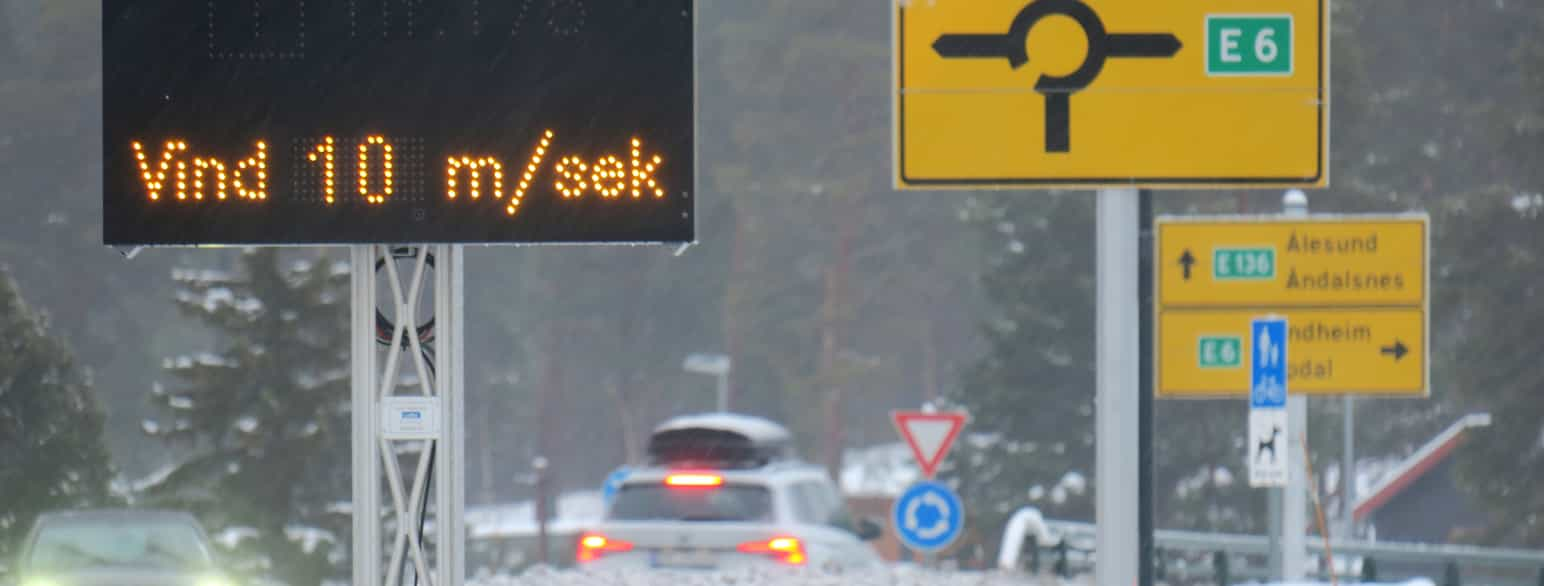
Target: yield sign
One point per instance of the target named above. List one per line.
(929, 434)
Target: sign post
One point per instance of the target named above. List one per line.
(1354, 289)
(928, 516)
(208, 142)
(987, 93)
(1116, 420)
(930, 435)
(1116, 93)
(1269, 452)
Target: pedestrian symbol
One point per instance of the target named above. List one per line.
(1268, 377)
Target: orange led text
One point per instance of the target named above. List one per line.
(178, 173)
(197, 178)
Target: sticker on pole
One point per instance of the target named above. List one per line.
(928, 516)
(930, 435)
(410, 418)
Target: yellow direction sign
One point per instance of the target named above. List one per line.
(1270, 262)
(1354, 290)
(1329, 351)
(1113, 92)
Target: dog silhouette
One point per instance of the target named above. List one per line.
(1268, 444)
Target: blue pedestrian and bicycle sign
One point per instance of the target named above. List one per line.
(1268, 440)
(928, 516)
(1268, 371)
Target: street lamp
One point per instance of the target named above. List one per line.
(544, 512)
(716, 365)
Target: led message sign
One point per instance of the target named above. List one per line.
(361, 121)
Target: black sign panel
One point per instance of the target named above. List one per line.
(386, 121)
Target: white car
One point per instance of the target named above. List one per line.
(723, 492)
(119, 548)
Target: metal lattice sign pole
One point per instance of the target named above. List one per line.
(408, 397)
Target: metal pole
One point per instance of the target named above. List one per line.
(450, 385)
(366, 463)
(1273, 531)
(1116, 417)
(542, 510)
(374, 456)
(1145, 556)
(1294, 501)
(723, 391)
(1348, 470)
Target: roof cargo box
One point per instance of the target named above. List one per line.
(719, 440)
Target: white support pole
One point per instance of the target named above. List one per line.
(366, 504)
(1294, 525)
(1116, 417)
(377, 452)
(1348, 470)
(450, 462)
(1294, 508)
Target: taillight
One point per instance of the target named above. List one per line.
(694, 480)
(787, 550)
(594, 545)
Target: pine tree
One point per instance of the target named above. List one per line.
(1445, 113)
(1032, 396)
(1503, 464)
(51, 450)
(265, 415)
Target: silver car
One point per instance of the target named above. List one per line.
(118, 547)
(722, 493)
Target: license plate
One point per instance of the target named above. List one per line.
(685, 558)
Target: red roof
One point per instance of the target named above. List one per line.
(1417, 465)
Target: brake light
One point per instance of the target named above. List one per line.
(594, 545)
(787, 550)
(697, 480)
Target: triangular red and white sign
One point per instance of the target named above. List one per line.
(930, 435)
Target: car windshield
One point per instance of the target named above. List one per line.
(731, 502)
(96, 543)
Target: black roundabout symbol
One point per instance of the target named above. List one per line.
(1058, 90)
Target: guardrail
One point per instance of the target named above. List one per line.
(1191, 557)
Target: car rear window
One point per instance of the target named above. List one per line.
(117, 542)
(657, 502)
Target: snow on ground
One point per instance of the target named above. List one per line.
(576, 510)
(231, 537)
(152, 479)
(1411, 582)
(900, 575)
(895, 576)
(884, 469)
